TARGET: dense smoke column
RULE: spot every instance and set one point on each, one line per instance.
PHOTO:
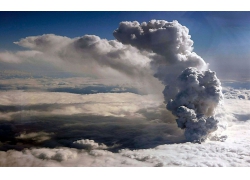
(191, 91)
(198, 95)
(170, 45)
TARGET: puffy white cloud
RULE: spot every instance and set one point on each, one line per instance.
(88, 144)
(15, 158)
(35, 136)
(231, 93)
(65, 157)
(194, 155)
(62, 154)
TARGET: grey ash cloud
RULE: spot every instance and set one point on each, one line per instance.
(191, 96)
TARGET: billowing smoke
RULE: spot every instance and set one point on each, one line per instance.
(194, 105)
(191, 91)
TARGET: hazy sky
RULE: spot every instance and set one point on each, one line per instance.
(221, 38)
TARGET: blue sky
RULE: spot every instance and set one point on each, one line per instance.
(16, 25)
(221, 38)
(204, 26)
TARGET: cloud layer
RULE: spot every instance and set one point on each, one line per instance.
(46, 138)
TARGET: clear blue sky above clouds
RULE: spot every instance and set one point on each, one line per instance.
(221, 38)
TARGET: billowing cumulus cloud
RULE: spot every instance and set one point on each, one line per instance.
(65, 157)
(88, 144)
(231, 93)
(35, 136)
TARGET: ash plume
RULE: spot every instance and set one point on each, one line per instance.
(198, 95)
(192, 92)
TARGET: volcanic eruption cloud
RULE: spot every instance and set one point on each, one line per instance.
(192, 92)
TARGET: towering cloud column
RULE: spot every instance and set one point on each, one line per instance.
(191, 91)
